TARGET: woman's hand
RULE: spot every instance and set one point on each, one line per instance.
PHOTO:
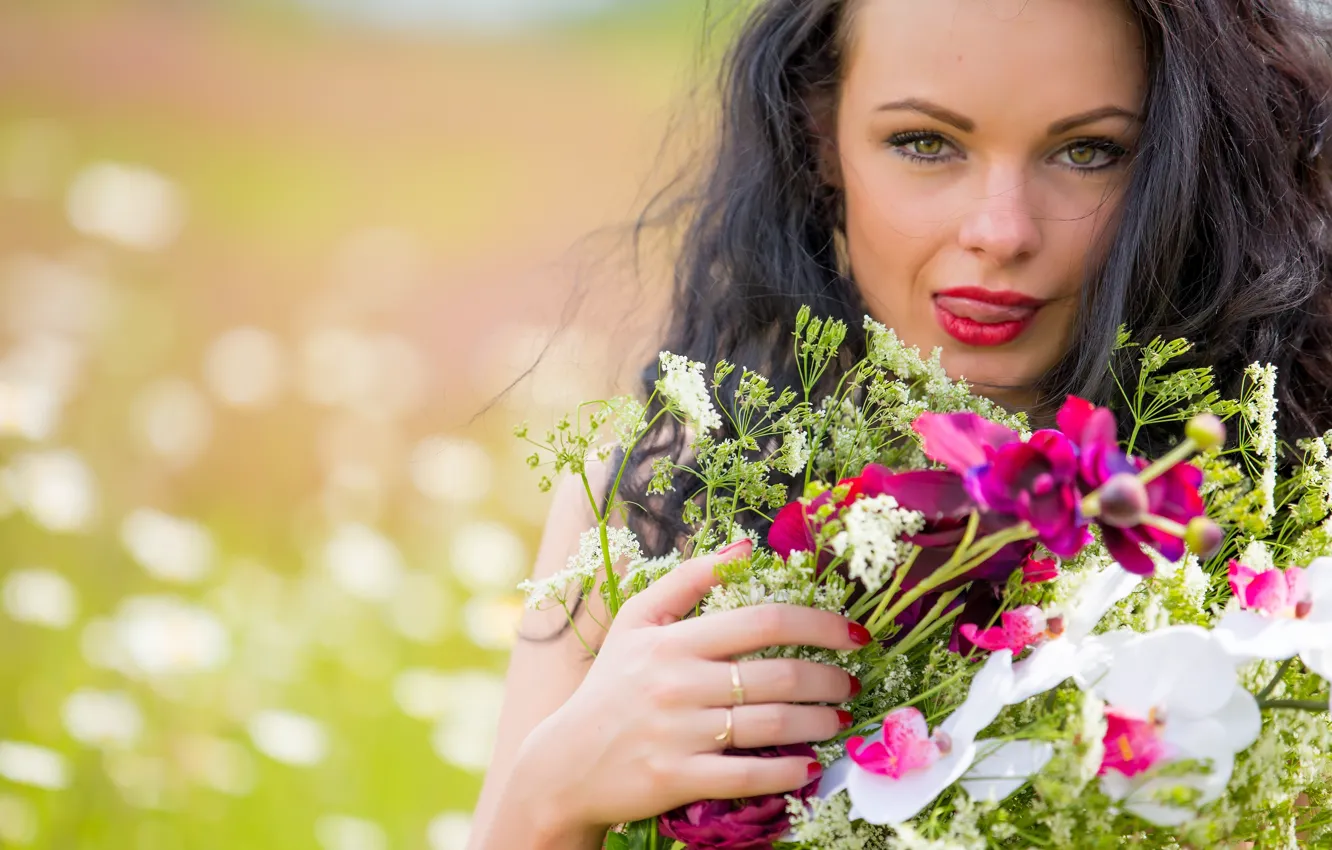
(639, 736)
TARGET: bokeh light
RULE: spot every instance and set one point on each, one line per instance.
(277, 280)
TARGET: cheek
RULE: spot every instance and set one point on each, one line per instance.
(896, 225)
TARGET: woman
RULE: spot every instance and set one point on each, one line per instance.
(1009, 180)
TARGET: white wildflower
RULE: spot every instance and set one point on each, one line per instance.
(1260, 412)
(794, 453)
(873, 529)
(583, 565)
(1257, 557)
(684, 387)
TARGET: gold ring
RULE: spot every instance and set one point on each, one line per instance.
(725, 737)
(737, 689)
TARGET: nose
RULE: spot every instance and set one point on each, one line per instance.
(999, 225)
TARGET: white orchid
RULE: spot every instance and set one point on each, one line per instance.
(1070, 651)
(1283, 613)
(901, 768)
(1172, 696)
(1002, 767)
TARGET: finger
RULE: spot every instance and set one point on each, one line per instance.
(673, 595)
(729, 633)
(775, 680)
(772, 724)
(719, 777)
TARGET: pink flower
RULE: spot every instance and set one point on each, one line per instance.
(1132, 744)
(1039, 570)
(796, 526)
(752, 823)
(1019, 629)
(1277, 593)
(906, 745)
(1035, 481)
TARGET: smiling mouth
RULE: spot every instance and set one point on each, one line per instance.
(981, 317)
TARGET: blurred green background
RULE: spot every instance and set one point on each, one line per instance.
(263, 269)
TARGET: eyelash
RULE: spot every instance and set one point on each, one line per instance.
(1114, 150)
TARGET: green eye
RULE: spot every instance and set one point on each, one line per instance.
(1082, 154)
(932, 146)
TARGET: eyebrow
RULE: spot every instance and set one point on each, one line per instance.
(966, 125)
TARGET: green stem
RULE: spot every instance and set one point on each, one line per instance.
(1276, 680)
(930, 624)
(1177, 455)
(1314, 705)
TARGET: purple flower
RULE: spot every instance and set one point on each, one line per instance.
(1035, 481)
(1174, 495)
(752, 823)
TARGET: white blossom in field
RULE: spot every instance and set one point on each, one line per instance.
(289, 737)
(131, 205)
(1260, 411)
(364, 562)
(245, 367)
(449, 831)
(161, 636)
(41, 597)
(344, 832)
(794, 453)
(29, 764)
(102, 718)
(873, 533)
(55, 488)
(683, 387)
(167, 547)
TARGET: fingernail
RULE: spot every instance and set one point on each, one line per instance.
(846, 719)
(859, 634)
(813, 770)
(736, 545)
(855, 686)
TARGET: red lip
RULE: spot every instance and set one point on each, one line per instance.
(984, 317)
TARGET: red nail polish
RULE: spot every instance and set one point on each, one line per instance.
(813, 770)
(732, 547)
(855, 687)
(845, 718)
(859, 634)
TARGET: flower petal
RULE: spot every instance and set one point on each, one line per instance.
(1048, 665)
(1248, 634)
(790, 531)
(1097, 595)
(1181, 670)
(990, 690)
(880, 800)
(1003, 767)
(1124, 549)
(958, 440)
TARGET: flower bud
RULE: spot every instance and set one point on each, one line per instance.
(1203, 537)
(1206, 431)
(943, 741)
(1123, 500)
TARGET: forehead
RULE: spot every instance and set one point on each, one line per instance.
(982, 56)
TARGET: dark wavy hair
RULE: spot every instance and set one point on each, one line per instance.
(1223, 237)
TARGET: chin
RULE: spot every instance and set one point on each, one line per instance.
(1005, 377)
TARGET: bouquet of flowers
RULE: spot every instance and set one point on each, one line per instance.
(1074, 645)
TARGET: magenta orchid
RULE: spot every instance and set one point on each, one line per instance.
(1283, 613)
(1020, 628)
(1132, 744)
(905, 745)
(1034, 480)
(1172, 496)
(1276, 593)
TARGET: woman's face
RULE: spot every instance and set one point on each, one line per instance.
(982, 149)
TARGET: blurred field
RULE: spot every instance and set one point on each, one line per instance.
(257, 276)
